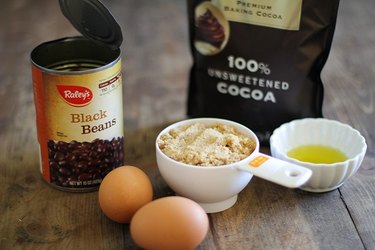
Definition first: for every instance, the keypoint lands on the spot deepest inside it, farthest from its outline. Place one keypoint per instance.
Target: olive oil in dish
(317, 154)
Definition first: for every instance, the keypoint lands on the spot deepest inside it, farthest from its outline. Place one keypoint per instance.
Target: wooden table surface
(156, 63)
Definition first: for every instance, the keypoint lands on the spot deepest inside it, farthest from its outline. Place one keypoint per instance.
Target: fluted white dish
(321, 131)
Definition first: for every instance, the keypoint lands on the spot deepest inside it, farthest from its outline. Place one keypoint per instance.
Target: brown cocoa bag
(259, 62)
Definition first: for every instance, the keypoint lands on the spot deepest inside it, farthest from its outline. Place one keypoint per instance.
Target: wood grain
(156, 64)
(349, 76)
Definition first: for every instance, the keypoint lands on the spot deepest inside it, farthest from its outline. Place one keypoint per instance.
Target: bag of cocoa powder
(258, 62)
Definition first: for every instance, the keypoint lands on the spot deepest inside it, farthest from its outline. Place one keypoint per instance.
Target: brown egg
(169, 223)
(123, 191)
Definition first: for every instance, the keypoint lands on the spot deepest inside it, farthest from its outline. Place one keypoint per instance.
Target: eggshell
(169, 223)
(123, 191)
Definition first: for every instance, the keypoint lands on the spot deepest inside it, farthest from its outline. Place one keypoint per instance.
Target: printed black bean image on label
(85, 164)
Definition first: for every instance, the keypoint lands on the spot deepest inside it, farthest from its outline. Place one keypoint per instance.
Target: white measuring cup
(216, 188)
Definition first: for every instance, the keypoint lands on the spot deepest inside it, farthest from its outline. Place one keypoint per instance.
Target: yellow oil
(317, 154)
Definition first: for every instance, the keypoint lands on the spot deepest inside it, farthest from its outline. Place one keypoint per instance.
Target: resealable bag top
(259, 62)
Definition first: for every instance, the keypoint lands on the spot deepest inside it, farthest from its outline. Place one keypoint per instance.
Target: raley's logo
(76, 96)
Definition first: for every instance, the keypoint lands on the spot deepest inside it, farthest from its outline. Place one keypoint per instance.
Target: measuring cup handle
(275, 170)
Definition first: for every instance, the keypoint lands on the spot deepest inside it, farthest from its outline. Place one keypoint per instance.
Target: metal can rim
(67, 40)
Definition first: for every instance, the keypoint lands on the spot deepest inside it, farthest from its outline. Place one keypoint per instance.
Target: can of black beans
(79, 110)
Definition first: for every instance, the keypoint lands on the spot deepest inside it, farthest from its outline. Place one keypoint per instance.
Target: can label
(80, 125)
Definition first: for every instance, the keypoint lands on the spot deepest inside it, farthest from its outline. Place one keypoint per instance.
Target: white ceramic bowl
(320, 131)
(214, 188)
